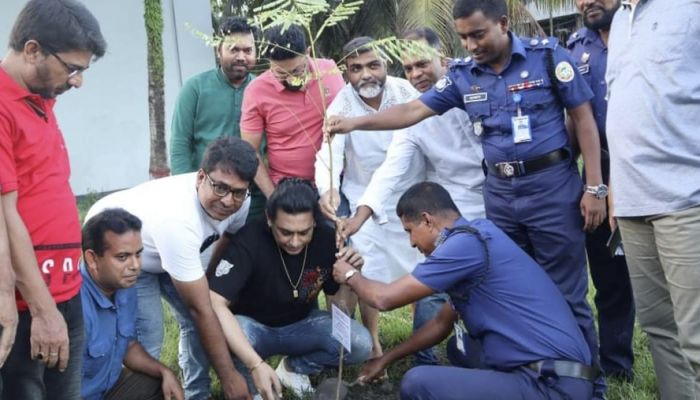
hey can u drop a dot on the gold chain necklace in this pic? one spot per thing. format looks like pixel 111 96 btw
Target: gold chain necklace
pixel 295 292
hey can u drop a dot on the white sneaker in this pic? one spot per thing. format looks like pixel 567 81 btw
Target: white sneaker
pixel 257 397
pixel 297 383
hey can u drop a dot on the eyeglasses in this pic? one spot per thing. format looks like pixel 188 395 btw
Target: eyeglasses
pixel 222 190
pixel 73 70
pixel 299 73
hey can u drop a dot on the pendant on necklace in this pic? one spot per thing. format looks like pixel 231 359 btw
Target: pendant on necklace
pixel 295 293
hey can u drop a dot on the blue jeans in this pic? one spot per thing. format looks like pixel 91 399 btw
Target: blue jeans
pixel 308 343
pixel 427 308
pixel 28 379
pixel 149 327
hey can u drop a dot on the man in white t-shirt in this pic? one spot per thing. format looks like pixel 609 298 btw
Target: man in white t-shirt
pixel 388 255
pixel 182 217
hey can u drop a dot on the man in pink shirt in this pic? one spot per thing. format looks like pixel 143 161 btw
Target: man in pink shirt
pixel 287 103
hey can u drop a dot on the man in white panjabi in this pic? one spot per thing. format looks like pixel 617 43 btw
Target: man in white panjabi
pixel 388 255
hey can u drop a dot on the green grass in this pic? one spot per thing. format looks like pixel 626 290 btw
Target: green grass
pixel 395 326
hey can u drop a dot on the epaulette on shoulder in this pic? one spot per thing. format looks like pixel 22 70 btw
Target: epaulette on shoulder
pixel 577 36
pixel 540 43
pixel 459 63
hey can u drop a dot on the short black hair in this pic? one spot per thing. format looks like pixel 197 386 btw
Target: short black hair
pixel 115 220
pixel 492 9
pixel 357 46
pixel 293 196
pixel 235 24
pixel 230 154
pixel 428 197
pixel 426 34
pixel 284 43
pixel 59 26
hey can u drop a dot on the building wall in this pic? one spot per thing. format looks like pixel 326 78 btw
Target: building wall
pixel 566 20
pixel 106 122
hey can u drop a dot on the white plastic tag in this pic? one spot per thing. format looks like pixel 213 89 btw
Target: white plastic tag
pixel 459 337
pixel 521 129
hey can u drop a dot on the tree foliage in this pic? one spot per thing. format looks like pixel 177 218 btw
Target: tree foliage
pixel 378 18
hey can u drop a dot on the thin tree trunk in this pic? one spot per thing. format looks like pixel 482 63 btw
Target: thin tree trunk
pixel 158 165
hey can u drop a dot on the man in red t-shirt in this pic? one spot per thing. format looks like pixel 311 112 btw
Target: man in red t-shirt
pixel 51 44
pixel 286 104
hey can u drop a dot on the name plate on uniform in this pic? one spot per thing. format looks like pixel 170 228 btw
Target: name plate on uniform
pixel 476 97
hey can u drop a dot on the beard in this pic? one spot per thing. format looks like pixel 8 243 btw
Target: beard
pixel 235 71
pixel 43 88
pixel 292 87
pixel 601 23
pixel 370 90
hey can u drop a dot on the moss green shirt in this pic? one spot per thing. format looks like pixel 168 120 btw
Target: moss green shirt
pixel 207 107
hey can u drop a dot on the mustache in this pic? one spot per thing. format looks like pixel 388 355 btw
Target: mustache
pixel 593 7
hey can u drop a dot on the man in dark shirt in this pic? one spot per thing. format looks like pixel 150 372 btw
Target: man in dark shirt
pixel 270 276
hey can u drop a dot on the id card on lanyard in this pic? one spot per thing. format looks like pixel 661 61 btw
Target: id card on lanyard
pixel 520 123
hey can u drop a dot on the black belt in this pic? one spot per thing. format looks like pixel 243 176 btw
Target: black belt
pixel 509 169
pixel 569 369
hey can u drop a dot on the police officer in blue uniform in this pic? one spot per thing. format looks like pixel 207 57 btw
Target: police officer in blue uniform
pixel 515 336
pixel 515 91
pixel 614 299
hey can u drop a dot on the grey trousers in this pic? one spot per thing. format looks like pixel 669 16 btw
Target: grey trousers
pixel 663 256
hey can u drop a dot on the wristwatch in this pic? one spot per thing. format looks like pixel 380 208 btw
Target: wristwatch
pixel 600 191
pixel 350 274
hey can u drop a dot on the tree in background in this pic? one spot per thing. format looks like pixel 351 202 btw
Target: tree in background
pixel 153 17
pixel 383 18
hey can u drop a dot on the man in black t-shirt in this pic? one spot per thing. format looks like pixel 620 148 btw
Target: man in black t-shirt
pixel 270 276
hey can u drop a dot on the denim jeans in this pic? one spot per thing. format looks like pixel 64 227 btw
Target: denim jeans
pixel 27 379
pixel 308 343
pixel 427 308
pixel 149 327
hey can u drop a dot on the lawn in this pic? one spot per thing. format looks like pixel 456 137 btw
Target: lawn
pixel 395 326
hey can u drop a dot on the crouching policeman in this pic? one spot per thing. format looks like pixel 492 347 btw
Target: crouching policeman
pixel 515 335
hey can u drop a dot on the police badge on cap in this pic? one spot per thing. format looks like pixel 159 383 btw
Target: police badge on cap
pixel 442 83
pixel 564 72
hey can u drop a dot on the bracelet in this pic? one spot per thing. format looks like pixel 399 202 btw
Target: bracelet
pixel 259 363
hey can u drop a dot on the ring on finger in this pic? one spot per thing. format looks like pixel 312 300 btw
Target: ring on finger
pixel 40 355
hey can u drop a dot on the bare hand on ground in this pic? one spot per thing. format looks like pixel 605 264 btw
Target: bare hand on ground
pixel 373 370
pixel 267 382
pixel 236 388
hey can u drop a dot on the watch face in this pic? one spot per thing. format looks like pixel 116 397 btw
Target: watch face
pixel 601 191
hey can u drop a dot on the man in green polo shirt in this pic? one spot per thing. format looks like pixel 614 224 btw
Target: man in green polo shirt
pixel 209 104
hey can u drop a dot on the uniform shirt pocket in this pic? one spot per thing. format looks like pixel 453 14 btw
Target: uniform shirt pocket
pixel 478 110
